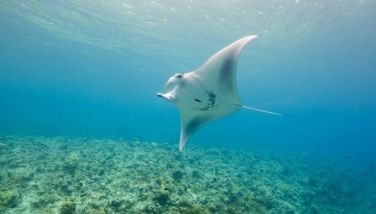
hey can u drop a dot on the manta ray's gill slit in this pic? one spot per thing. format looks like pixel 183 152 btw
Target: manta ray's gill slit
pixel 203 108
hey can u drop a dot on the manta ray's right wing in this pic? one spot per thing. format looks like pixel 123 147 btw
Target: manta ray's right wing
pixel 219 71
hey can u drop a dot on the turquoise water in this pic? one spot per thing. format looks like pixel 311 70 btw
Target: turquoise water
pixel 91 69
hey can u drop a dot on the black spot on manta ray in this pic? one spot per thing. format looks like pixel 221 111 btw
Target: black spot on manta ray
pixel 198 100
pixel 212 99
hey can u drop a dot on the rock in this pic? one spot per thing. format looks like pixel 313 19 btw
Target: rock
pixel 177 175
pixel 9 199
pixel 68 207
pixel 162 198
pixel 196 174
pixel 99 210
pixel 116 204
pixel 3 146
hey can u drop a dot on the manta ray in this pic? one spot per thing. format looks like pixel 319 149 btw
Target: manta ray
pixel 208 92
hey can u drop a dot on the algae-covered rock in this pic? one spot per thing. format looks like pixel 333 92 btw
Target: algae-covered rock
pixel 177 175
pixel 162 198
pixel 9 199
pixel 68 207
pixel 99 210
pixel 3 147
pixel 116 204
pixel 186 207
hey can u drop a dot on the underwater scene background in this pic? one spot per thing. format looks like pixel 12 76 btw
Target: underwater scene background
pixel 83 132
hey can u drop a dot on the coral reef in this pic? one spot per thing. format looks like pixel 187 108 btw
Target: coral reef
pixel 80 175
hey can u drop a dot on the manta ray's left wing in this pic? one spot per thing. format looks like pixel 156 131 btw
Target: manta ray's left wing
pixel 190 121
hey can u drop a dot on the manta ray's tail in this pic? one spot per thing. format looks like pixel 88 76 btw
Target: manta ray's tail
pixel 260 110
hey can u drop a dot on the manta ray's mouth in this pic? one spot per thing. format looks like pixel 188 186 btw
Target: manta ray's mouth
pixel 167 97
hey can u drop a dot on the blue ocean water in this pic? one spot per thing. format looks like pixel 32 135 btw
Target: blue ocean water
pixel 92 68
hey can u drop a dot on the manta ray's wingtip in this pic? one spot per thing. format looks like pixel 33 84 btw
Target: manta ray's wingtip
pixel 183 138
pixel 240 43
pixel 250 37
pixel 182 144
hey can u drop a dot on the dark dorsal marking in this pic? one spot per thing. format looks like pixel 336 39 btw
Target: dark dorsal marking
pixel 226 73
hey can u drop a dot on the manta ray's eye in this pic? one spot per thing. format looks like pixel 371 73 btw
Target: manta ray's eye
pixel 180 76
